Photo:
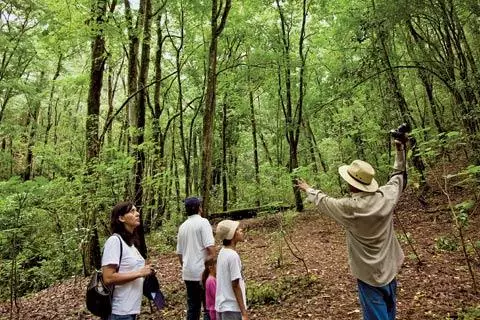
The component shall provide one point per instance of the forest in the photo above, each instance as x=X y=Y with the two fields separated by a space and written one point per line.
x=154 y=101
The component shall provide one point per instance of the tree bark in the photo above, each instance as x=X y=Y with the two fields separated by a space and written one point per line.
x=158 y=201
x=209 y=112
x=93 y=110
x=314 y=146
x=140 y=128
x=33 y=111
x=292 y=115
x=133 y=48
x=50 y=122
x=224 y=154
x=255 y=147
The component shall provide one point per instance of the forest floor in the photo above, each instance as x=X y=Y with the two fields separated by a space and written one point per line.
x=280 y=288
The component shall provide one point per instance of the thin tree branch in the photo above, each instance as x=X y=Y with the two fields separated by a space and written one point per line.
x=110 y=121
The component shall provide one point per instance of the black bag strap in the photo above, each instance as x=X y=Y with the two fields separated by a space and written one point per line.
x=119 y=260
x=121 y=249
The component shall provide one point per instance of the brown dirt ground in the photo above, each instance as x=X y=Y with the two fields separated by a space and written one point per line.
x=439 y=288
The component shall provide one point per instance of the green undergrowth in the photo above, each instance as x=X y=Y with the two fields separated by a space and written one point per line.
x=278 y=290
x=472 y=313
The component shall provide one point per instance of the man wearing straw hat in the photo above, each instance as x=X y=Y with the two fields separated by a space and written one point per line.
x=374 y=253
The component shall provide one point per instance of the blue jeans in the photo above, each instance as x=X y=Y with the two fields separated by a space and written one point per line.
x=229 y=315
x=122 y=317
x=378 y=303
x=195 y=296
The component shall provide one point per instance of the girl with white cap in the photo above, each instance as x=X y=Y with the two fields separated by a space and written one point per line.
x=230 y=298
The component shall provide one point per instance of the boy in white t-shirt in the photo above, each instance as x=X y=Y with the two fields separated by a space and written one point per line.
x=230 y=298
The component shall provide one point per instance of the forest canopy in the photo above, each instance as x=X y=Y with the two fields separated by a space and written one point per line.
x=154 y=101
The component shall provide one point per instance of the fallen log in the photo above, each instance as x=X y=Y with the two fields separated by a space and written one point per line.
x=245 y=213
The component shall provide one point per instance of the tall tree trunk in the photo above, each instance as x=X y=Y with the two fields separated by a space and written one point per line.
x=292 y=115
x=182 y=135
x=196 y=164
x=48 y=125
x=158 y=201
x=224 y=154
x=467 y=73
x=314 y=146
x=33 y=111
x=265 y=148
x=424 y=77
x=255 y=147
x=133 y=48
x=140 y=129
x=209 y=112
x=134 y=30
x=98 y=58
x=112 y=84
x=393 y=81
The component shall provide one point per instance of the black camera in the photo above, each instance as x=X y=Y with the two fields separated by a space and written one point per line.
x=401 y=133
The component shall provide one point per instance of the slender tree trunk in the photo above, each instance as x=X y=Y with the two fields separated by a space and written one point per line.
x=34 y=110
x=265 y=148
x=93 y=110
x=159 y=165
x=48 y=125
x=424 y=77
x=174 y=170
x=182 y=135
x=292 y=115
x=255 y=147
x=133 y=48
x=393 y=81
x=314 y=146
x=139 y=135
x=209 y=112
x=233 y=177
x=196 y=164
x=224 y=154
x=112 y=84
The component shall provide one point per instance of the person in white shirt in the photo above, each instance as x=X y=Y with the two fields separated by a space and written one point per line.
x=195 y=244
x=230 y=298
x=127 y=274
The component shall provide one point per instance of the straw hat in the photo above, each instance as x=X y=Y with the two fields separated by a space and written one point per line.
x=359 y=175
x=226 y=229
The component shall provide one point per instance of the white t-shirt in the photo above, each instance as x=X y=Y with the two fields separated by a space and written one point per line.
x=194 y=236
x=229 y=268
x=127 y=297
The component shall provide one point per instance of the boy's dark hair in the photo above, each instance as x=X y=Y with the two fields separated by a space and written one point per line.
x=192 y=205
x=117 y=226
x=227 y=242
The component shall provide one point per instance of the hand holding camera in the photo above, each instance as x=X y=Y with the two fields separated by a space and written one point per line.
x=400 y=136
x=401 y=133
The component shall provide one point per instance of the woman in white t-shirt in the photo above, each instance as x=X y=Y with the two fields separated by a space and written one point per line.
x=126 y=275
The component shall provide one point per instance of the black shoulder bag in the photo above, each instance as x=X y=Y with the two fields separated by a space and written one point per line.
x=99 y=295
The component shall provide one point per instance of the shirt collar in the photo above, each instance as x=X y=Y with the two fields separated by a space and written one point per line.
x=361 y=194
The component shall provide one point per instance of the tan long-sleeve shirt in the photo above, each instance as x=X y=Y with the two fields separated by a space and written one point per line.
x=374 y=253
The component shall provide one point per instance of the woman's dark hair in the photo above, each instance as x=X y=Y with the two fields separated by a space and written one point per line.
x=227 y=242
x=208 y=263
x=117 y=226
